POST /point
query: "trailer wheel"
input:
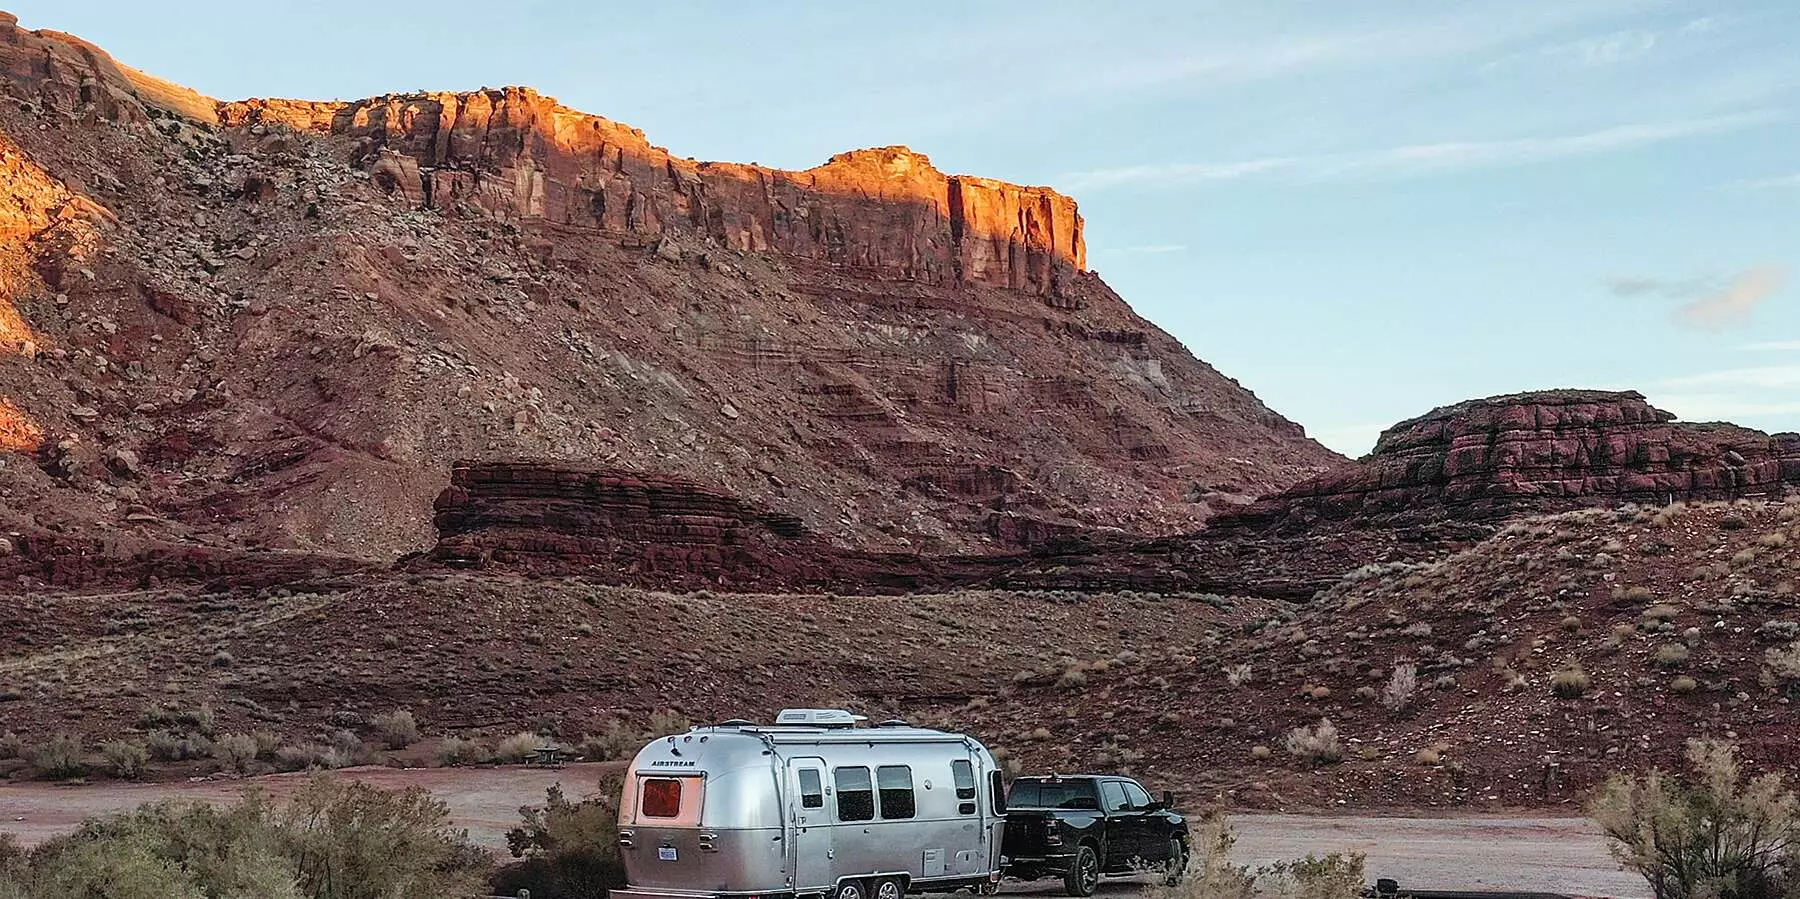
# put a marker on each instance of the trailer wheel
(889, 888)
(1083, 876)
(851, 888)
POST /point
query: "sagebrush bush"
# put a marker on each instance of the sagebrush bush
(398, 729)
(61, 757)
(1670, 655)
(125, 760)
(1319, 744)
(669, 721)
(519, 747)
(456, 752)
(1708, 833)
(168, 747)
(235, 752)
(12, 745)
(615, 742)
(568, 850)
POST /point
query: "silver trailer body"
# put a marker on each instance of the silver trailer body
(855, 813)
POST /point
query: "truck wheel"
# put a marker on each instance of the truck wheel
(1176, 864)
(851, 888)
(889, 888)
(1084, 872)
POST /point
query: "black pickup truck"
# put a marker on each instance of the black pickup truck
(1079, 827)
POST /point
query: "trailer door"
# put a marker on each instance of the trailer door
(809, 824)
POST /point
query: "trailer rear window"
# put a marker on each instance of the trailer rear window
(662, 798)
(855, 794)
(896, 784)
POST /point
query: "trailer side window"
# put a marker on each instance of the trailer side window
(896, 785)
(812, 789)
(963, 774)
(855, 794)
(662, 798)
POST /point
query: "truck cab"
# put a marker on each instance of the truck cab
(1081, 827)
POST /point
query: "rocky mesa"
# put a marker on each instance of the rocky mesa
(274, 324)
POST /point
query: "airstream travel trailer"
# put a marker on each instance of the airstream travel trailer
(810, 806)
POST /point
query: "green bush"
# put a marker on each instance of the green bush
(61, 758)
(125, 760)
(456, 752)
(331, 841)
(568, 850)
(1708, 833)
(398, 729)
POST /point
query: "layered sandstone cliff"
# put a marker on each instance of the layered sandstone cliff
(885, 212)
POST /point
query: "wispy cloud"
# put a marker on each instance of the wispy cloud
(1773, 345)
(1606, 49)
(1733, 407)
(1709, 303)
(1413, 160)
(1784, 181)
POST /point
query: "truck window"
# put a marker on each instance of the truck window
(1072, 795)
(1136, 796)
(896, 785)
(1112, 796)
(963, 774)
(662, 798)
(812, 789)
(855, 794)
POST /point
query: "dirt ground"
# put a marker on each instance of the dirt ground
(1547, 854)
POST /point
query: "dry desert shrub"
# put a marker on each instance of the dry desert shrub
(1319, 744)
(125, 760)
(1401, 686)
(397, 729)
(1210, 873)
(1569, 683)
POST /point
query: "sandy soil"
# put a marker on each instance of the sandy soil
(1563, 855)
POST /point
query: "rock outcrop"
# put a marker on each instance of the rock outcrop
(626, 527)
(884, 212)
(1491, 459)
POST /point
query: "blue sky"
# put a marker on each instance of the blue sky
(1360, 210)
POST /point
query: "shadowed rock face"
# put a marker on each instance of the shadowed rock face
(886, 212)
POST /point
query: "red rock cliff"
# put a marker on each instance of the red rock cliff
(886, 212)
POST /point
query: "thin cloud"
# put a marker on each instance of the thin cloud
(1414, 160)
(1723, 406)
(1772, 346)
(1709, 303)
(1606, 49)
(1783, 182)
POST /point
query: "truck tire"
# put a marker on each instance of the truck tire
(1083, 876)
(1176, 862)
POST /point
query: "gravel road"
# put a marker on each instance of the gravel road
(1563, 855)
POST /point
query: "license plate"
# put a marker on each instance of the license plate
(665, 853)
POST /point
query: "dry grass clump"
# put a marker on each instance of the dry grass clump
(1732, 521)
(1670, 655)
(1569, 683)
(1319, 744)
(1260, 752)
(1684, 685)
(1072, 679)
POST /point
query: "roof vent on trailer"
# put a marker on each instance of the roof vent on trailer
(736, 722)
(893, 722)
(818, 717)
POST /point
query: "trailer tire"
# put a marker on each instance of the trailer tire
(888, 888)
(851, 888)
(1083, 876)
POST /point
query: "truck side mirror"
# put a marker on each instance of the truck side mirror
(1168, 799)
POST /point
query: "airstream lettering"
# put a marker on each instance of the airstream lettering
(810, 806)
